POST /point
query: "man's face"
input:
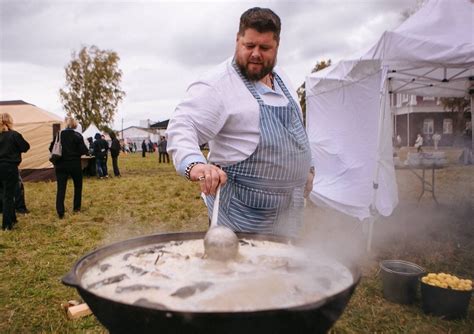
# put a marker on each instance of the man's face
(256, 53)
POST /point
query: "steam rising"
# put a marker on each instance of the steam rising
(422, 232)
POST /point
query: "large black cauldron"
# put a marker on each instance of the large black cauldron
(118, 317)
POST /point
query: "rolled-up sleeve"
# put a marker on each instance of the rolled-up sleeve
(195, 121)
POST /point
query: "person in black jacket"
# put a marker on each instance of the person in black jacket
(69, 165)
(143, 148)
(12, 144)
(18, 199)
(101, 148)
(114, 152)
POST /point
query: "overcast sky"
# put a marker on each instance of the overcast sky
(164, 45)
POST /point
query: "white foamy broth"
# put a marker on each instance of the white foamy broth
(177, 276)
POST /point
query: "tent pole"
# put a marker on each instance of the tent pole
(408, 128)
(382, 110)
(472, 127)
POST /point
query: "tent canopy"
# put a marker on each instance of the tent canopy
(36, 126)
(348, 111)
(91, 131)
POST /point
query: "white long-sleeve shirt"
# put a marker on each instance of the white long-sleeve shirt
(220, 110)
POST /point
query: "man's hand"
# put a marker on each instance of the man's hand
(309, 185)
(209, 177)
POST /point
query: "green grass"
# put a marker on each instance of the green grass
(151, 198)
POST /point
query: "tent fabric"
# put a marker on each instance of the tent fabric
(36, 126)
(348, 112)
(431, 53)
(90, 132)
(343, 139)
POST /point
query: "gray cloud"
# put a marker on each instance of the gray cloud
(163, 45)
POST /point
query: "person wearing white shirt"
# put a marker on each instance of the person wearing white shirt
(436, 138)
(259, 154)
(418, 143)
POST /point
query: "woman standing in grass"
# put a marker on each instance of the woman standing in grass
(69, 165)
(12, 145)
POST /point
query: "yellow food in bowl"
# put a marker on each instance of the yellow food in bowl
(447, 281)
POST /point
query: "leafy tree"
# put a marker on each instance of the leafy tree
(413, 9)
(92, 90)
(302, 89)
(457, 105)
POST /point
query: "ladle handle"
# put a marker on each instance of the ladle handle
(215, 209)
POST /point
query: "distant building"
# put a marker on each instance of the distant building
(160, 127)
(145, 123)
(136, 134)
(426, 115)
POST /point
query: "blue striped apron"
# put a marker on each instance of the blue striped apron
(264, 193)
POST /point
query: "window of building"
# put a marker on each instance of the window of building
(428, 126)
(428, 98)
(447, 126)
(413, 100)
(404, 97)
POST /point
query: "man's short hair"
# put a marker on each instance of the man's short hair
(262, 20)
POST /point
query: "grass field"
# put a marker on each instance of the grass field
(151, 198)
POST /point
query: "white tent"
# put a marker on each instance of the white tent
(348, 111)
(90, 132)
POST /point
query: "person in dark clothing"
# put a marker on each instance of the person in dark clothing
(101, 147)
(20, 204)
(69, 165)
(12, 144)
(91, 166)
(143, 148)
(19, 198)
(162, 150)
(114, 152)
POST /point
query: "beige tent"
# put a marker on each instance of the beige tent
(36, 125)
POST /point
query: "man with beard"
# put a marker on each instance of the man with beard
(259, 153)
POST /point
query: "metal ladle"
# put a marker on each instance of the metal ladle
(220, 242)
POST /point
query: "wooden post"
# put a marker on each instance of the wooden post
(78, 311)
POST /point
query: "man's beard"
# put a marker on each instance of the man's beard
(255, 76)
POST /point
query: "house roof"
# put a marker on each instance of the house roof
(14, 102)
(160, 125)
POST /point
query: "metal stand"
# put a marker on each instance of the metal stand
(425, 184)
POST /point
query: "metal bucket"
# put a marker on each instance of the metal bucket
(446, 303)
(400, 280)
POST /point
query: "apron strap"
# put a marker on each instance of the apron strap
(257, 96)
(247, 83)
